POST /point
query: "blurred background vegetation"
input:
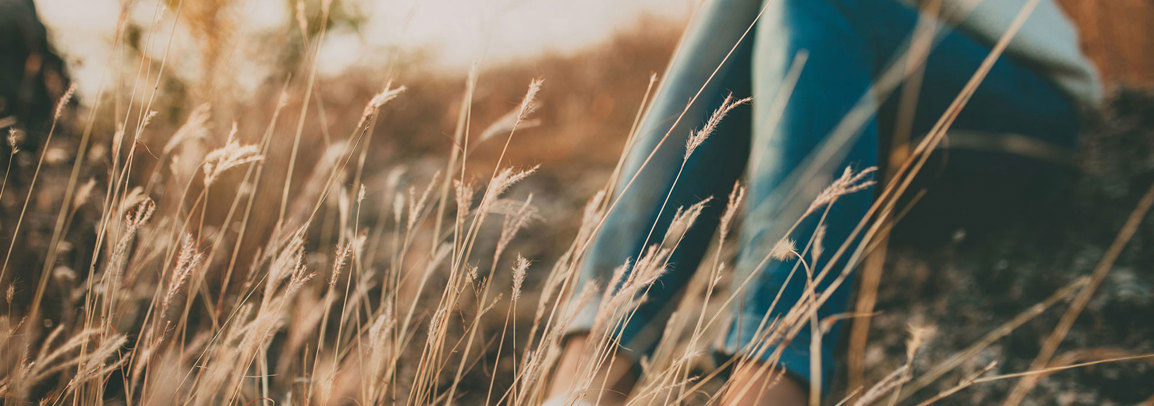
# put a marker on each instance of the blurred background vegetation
(225, 54)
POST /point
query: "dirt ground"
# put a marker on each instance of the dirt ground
(975, 281)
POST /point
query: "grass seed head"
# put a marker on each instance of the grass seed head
(186, 263)
(64, 100)
(683, 220)
(528, 103)
(698, 137)
(849, 182)
(232, 155)
(731, 207)
(140, 213)
(15, 137)
(519, 271)
(782, 250)
(378, 100)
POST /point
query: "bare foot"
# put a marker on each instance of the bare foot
(747, 388)
(616, 380)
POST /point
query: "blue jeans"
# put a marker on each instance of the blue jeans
(849, 44)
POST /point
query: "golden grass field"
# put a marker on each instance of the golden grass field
(397, 235)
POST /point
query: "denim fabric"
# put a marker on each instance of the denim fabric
(789, 150)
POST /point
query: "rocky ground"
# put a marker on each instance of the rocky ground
(975, 281)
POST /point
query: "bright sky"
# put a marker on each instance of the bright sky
(458, 31)
(511, 28)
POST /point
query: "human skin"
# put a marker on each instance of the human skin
(765, 389)
(618, 380)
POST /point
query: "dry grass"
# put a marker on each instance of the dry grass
(318, 253)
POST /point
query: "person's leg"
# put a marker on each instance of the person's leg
(1004, 155)
(864, 37)
(656, 160)
(836, 77)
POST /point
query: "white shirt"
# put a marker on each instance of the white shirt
(1047, 40)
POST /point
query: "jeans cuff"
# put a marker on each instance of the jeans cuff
(584, 322)
(794, 357)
